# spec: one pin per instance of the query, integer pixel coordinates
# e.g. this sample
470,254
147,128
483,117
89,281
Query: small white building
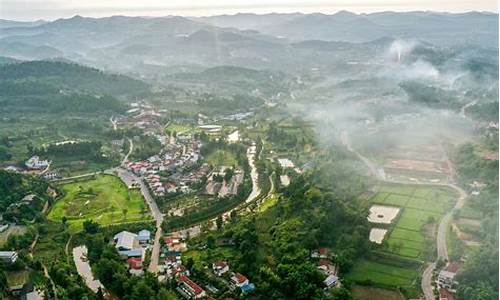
36,163
220,267
446,277
8,256
239,280
125,241
330,281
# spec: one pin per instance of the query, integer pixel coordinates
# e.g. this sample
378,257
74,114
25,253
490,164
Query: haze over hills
256,156
439,28
127,44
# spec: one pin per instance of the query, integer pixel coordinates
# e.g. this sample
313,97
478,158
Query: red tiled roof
179,269
445,294
196,288
135,263
323,251
171,258
170,240
220,264
241,278
324,262
453,267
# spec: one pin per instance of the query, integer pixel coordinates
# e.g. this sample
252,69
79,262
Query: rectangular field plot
383,274
414,219
398,200
379,197
428,204
405,248
397,189
410,235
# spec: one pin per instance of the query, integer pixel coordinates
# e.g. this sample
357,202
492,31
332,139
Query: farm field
420,205
370,293
382,274
104,199
405,239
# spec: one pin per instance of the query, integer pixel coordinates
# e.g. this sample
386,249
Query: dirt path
131,148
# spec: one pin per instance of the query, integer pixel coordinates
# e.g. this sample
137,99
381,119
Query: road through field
442,250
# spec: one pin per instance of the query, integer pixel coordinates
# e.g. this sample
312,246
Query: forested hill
66,76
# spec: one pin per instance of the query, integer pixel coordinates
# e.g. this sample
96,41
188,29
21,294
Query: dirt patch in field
371,293
377,235
383,214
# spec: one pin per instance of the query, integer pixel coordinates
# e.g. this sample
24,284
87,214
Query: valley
250,157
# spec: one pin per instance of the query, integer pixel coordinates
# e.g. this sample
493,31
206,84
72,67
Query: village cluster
132,247
169,171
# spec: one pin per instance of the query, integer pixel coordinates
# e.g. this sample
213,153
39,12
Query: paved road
426,283
128,178
155,212
83,268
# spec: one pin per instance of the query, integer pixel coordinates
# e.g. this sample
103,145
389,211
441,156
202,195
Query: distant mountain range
437,28
145,46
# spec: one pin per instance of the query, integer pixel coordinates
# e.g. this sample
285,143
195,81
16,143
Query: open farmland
384,275
104,199
420,205
405,240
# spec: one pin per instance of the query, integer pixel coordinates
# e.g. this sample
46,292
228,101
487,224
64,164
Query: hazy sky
53,9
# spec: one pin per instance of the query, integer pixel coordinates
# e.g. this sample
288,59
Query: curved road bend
196,229
442,251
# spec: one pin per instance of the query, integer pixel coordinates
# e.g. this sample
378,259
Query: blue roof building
247,288
144,236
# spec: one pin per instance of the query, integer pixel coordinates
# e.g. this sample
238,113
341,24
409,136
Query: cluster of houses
171,257
223,188
326,267
35,163
446,280
236,280
173,159
132,248
141,116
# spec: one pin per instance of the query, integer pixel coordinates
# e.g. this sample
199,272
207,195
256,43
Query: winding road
196,229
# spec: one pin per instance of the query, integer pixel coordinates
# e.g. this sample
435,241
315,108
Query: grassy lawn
211,255
221,158
102,199
180,128
382,274
16,278
370,293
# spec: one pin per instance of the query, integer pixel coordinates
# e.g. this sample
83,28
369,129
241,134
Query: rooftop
196,288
